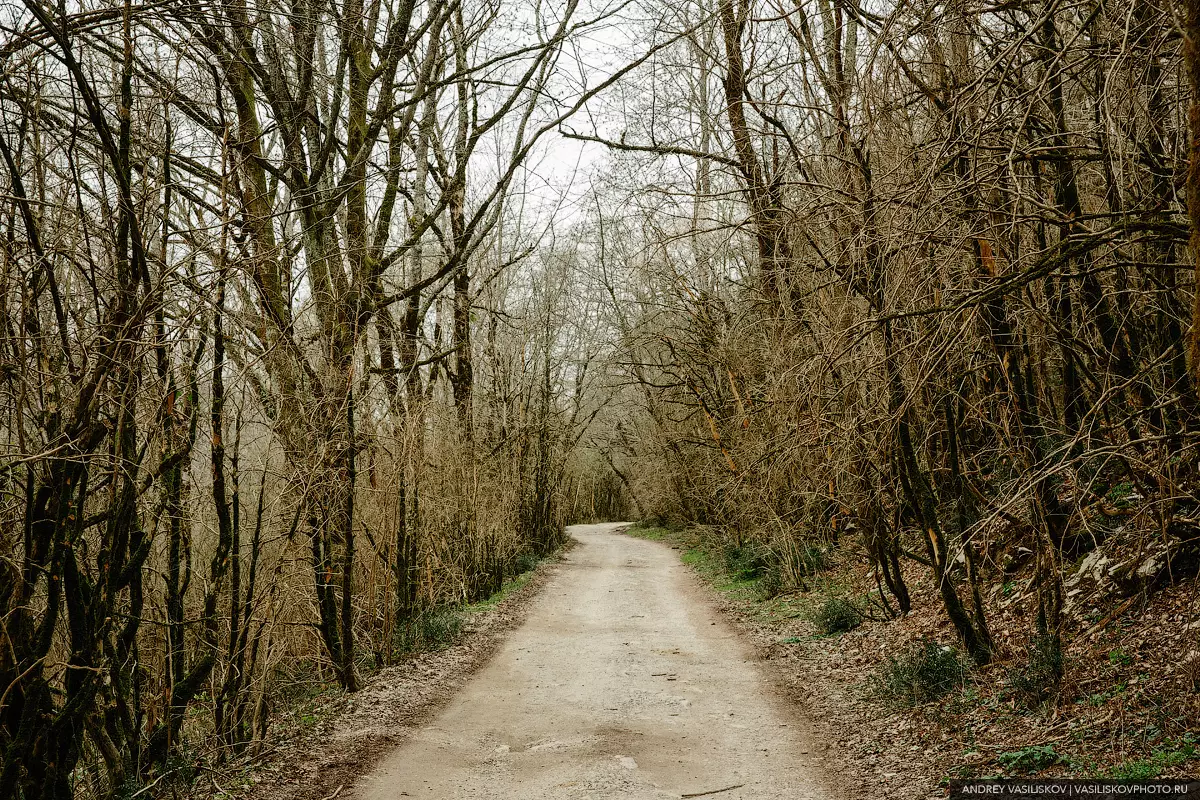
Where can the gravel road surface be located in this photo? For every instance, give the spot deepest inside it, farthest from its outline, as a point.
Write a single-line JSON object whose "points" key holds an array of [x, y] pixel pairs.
{"points": [[623, 682]]}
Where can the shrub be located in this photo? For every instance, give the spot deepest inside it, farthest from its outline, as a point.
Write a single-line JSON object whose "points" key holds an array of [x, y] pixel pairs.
{"points": [[1029, 759], [524, 562], [926, 671], [429, 630], [1039, 678], [746, 562], [837, 615], [811, 559], [770, 583]]}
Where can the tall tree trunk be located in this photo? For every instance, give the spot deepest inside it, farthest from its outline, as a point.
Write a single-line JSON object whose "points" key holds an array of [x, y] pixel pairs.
{"points": [[1191, 39]]}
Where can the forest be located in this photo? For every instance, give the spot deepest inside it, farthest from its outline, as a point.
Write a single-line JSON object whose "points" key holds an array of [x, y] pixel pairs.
{"points": [[317, 318]]}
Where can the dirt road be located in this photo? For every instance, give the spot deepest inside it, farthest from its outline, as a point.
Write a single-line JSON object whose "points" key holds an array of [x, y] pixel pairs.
{"points": [[622, 683]]}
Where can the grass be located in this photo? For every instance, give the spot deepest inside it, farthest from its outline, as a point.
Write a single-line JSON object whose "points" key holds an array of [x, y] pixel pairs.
{"points": [[432, 629], [743, 573], [652, 534], [435, 629], [525, 566], [510, 587], [742, 584], [733, 572]]}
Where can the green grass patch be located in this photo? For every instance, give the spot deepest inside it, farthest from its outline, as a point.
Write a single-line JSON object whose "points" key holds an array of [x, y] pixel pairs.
{"points": [[509, 587], [1032, 759], [525, 566], [438, 628], [697, 558], [652, 533], [432, 629], [746, 586], [712, 569], [748, 573], [1162, 761]]}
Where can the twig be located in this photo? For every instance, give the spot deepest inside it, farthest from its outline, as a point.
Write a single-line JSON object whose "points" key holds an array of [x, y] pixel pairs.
{"points": [[336, 792], [1102, 624], [714, 791], [155, 782]]}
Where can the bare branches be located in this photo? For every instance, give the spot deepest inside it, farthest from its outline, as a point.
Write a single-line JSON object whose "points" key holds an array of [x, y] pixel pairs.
{"points": [[209, 214], [956, 248]]}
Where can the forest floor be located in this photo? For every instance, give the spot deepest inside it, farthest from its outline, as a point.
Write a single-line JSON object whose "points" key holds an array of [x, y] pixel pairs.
{"points": [[1123, 710]]}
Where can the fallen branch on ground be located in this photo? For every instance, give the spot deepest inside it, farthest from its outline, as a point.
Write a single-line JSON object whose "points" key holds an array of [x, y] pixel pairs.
{"points": [[714, 791]]}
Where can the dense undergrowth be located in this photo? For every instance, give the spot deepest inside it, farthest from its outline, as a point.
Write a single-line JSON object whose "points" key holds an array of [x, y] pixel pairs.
{"points": [[1119, 706]]}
